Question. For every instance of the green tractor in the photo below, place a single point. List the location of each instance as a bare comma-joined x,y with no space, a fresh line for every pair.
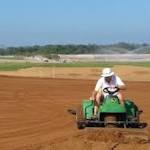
110,113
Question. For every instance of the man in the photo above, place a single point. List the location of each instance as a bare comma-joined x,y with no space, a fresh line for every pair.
108,79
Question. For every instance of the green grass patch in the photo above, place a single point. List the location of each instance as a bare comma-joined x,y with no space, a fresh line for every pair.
84,64
140,64
102,64
16,66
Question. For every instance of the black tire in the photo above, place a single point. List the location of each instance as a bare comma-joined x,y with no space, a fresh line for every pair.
110,120
80,118
122,119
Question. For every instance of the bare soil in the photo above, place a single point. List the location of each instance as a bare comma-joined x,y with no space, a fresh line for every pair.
33,111
128,73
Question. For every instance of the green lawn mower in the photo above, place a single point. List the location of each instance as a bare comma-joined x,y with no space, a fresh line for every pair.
110,113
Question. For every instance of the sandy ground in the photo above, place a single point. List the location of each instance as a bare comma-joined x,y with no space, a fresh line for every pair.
128,73
33,111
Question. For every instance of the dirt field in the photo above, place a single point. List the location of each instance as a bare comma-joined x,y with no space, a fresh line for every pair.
33,111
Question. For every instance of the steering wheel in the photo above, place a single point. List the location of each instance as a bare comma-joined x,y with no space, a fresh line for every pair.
111,90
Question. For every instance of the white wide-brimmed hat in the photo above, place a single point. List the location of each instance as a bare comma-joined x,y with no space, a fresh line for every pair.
107,72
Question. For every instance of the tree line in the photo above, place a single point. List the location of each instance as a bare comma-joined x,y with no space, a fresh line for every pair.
48,50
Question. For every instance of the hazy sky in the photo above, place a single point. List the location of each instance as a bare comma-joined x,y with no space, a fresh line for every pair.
31,22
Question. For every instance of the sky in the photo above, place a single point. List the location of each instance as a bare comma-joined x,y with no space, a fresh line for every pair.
42,22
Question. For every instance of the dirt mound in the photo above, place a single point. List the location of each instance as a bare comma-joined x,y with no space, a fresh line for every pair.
102,138
117,135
